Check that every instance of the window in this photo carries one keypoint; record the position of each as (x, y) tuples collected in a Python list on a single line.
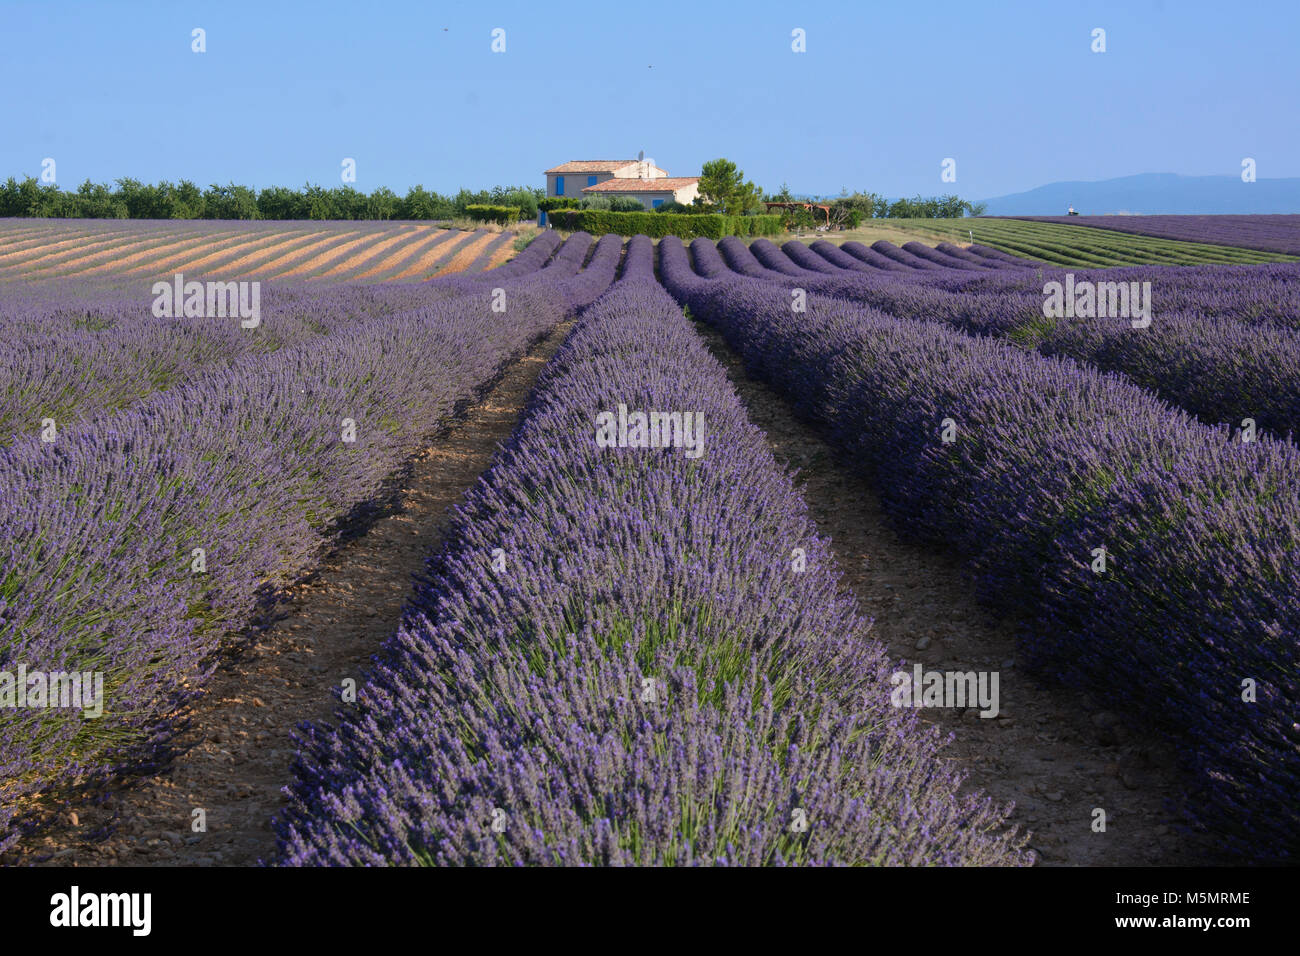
[(657, 203), (559, 185), (591, 180)]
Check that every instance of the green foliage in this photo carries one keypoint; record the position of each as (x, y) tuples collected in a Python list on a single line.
[(626, 204), (940, 207), (280, 202), (552, 203), (673, 206), (800, 218), (229, 202), (711, 226), (524, 199), (724, 189), (498, 196), (611, 203), (422, 204), (131, 199), (503, 215)]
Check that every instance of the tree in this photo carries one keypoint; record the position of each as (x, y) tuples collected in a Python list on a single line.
[(382, 204), (723, 185)]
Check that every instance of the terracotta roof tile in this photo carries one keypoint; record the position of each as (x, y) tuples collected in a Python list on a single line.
[(591, 166), (664, 184)]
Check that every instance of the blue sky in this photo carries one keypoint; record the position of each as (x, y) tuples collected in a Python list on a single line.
[(885, 91)]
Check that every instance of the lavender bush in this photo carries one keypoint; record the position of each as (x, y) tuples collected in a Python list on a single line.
[(645, 679), (1053, 460), (249, 463)]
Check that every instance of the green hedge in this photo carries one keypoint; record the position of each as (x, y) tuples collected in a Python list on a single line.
[(656, 225), (505, 215), (552, 203)]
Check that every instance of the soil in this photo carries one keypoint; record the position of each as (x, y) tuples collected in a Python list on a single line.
[(1048, 750), (421, 268), (238, 748)]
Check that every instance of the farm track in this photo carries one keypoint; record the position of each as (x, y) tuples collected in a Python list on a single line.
[(238, 748), (1045, 751)]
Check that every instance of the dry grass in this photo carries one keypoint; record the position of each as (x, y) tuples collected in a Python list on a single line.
[(897, 231)]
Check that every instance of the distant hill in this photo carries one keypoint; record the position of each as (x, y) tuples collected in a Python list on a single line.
[(1153, 194)]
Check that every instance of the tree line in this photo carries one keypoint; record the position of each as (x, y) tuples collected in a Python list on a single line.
[(131, 199), (723, 188)]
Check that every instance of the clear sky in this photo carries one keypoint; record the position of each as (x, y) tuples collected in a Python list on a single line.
[(883, 94)]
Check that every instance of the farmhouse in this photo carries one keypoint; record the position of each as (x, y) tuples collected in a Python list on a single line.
[(640, 179)]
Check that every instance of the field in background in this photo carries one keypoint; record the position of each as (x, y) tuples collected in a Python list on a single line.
[(1270, 233), (296, 250), (1057, 243)]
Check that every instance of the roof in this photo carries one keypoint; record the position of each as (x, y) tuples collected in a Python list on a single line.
[(665, 184), (591, 166)]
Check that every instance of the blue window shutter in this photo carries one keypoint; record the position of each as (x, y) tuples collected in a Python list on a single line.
[(657, 203), (591, 180), (559, 185)]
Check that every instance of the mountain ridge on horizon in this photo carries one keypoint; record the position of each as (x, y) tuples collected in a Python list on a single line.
[(1151, 194)]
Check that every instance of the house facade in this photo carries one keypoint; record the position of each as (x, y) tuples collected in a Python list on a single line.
[(652, 193), (570, 179), (638, 179)]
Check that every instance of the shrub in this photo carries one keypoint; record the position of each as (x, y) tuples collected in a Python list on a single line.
[(502, 215), (551, 203), (656, 225)]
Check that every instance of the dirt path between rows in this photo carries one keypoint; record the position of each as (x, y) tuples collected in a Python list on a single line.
[(238, 750), (1048, 750)]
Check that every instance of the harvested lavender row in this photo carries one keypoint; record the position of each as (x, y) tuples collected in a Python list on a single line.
[(1052, 468), (616, 662), (145, 535)]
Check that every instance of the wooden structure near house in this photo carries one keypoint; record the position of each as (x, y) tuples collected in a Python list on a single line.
[(800, 205)]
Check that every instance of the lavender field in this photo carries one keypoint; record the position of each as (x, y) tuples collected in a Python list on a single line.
[(635, 642)]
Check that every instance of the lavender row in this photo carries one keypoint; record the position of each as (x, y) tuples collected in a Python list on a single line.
[(1270, 233), (1219, 369), (141, 538), (67, 357), (616, 661), (70, 353), (1148, 557)]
